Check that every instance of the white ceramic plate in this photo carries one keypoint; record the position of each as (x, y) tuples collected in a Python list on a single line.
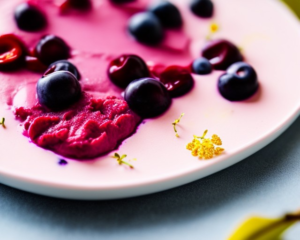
[(270, 37)]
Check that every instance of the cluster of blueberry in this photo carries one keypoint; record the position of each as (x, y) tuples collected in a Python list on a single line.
[(148, 27), (240, 80), (30, 18)]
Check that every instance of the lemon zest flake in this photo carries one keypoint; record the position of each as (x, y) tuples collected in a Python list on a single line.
[(121, 161), (205, 148), (176, 121), (3, 122)]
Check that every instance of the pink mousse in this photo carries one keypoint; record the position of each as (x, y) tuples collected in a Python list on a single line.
[(100, 35), (89, 128)]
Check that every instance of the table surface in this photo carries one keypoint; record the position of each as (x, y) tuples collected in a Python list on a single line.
[(266, 183)]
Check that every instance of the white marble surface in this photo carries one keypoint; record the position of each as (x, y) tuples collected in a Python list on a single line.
[(267, 183)]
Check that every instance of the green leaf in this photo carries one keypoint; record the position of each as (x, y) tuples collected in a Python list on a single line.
[(259, 228), (294, 5)]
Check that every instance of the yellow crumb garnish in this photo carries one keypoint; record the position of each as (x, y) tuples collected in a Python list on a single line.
[(213, 28), (205, 148), (216, 140), (176, 121), (121, 161)]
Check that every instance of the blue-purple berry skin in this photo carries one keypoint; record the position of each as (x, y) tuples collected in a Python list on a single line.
[(58, 90), (201, 66), (29, 18), (147, 97), (239, 82), (202, 8), (146, 28), (62, 162), (65, 65), (167, 13)]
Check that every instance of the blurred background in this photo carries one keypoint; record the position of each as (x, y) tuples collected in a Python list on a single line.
[(294, 5)]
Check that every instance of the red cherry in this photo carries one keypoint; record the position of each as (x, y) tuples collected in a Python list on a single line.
[(11, 52), (177, 80), (126, 68), (81, 5), (221, 54), (49, 70), (34, 64)]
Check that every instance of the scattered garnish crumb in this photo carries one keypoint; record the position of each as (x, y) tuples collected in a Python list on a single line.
[(213, 28), (176, 121), (121, 161), (62, 162), (205, 148), (3, 122)]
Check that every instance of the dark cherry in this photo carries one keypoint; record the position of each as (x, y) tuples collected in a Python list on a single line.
[(202, 8), (63, 65), (239, 82), (221, 53), (167, 13), (177, 80), (58, 90), (126, 68), (147, 97), (146, 28), (51, 48), (12, 52), (201, 66), (34, 64), (29, 17), (156, 70)]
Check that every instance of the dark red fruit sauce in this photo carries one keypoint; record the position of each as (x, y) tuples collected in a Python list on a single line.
[(87, 129), (178, 80)]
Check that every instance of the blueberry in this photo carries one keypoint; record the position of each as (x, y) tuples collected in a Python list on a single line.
[(126, 68), (202, 8), (239, 82), (58, 90), (146, 28), (167, 13), (51, 49), (63, 65), (147, 97), (201, 66), (29, 17)]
